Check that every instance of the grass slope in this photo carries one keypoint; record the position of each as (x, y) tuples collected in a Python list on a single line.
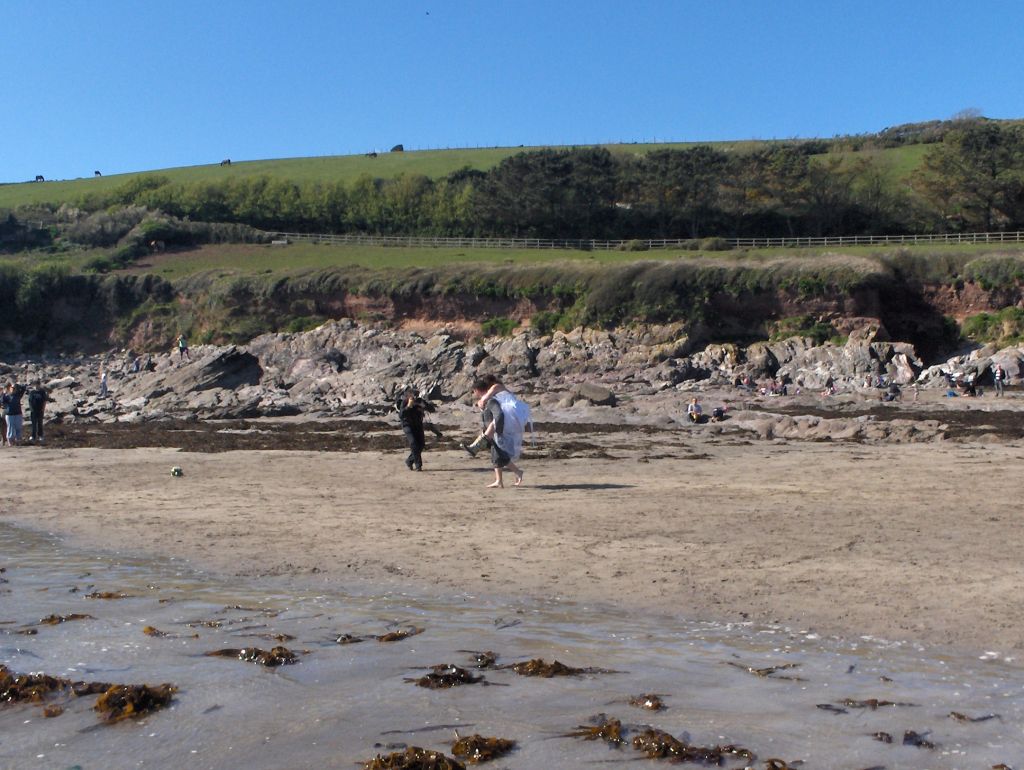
[(347, 168)]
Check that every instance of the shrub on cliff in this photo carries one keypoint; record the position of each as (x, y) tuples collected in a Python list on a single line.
[(1005, 326)]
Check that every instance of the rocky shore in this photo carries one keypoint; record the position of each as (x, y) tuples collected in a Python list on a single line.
[(344, 370)]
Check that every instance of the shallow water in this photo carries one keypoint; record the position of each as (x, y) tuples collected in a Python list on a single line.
[(342, 704)]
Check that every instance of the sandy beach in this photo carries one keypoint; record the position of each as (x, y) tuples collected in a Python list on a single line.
[(916, 542)]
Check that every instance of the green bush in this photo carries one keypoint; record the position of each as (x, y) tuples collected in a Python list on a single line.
[(634, 245), (546, 321), (304, 323), (498, 327), (804, 326), (1005, 326)]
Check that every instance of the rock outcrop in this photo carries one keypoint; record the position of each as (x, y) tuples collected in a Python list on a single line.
[(344, 368)]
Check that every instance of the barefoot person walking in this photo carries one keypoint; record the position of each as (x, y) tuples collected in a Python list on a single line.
[(502, 429)]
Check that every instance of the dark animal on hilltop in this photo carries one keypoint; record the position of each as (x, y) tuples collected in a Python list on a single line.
[(155, 247), (371, 155), (39, 178), (398, 148), (96, 173), (226, 162)]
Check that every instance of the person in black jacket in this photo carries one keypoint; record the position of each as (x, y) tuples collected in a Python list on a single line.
[(412, 412), (12, 412), (37, 398)]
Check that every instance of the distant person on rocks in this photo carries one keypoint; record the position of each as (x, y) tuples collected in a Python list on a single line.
[(412, 412), (504, 418), (183, 348), (694, 411), (12, 412), (103, 382), (37, 399), (998, 377)]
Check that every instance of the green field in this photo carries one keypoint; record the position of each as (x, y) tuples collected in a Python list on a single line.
[(347, 168), (255, 259)]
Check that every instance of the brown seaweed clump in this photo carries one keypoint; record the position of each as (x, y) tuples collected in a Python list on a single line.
[(397, 636), (657, 744), (107, 595), (278, 656), (414, 758), (125, 701), (964, 718), (649, 701), (53, 710), (769, 671), (29, 688), (538, 667), (445, 676), (53, 620), (609, 730), (477, 748), (874, 704), (485, 659), (912, 738), (349, 639)]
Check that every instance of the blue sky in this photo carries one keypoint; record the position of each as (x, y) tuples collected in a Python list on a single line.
[(127, 86)]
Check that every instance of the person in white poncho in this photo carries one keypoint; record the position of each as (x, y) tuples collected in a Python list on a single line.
[(504, 418)]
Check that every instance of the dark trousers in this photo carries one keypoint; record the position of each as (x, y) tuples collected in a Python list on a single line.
[(416, 441), (37, 425)]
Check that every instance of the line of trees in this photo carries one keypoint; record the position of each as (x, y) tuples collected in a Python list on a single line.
[(973, 179)]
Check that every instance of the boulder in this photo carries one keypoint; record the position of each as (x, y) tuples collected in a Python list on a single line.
[(596, 394)]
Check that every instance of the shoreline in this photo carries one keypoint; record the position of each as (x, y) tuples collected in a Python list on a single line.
[(901, 542)]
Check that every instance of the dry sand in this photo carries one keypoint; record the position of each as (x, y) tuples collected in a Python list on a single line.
[(913, 542)]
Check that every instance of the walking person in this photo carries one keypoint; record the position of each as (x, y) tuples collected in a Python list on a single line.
[(12, 412), (999, 377), (503, 419), (103, 382), (412, 413), (37, 398)]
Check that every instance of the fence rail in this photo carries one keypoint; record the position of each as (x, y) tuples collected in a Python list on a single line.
[(643, 245)]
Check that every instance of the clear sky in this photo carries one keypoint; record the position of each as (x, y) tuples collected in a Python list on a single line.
[(128, 85)]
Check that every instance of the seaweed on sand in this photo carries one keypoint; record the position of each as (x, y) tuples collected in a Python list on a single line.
[(485, 659), (397, 636), (608, 730), (414, 758), (541, 668), (874, 704), (125, 701), (444, 676), (277, 656), (769, 671), (477, 748), (657, 744), (650, 701), (53, 620)]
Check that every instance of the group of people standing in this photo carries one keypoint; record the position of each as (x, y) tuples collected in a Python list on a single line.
[(503, 421), (14, 416)]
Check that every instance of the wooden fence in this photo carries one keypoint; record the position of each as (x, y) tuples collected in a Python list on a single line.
[(644, 245)]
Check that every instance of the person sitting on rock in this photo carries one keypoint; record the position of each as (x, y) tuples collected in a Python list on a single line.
[(694, 411)]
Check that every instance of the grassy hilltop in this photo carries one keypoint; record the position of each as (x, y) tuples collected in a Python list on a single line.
[(137, 258), (434, 164)]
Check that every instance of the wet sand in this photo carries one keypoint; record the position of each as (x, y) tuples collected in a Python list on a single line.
[(916, 542)]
